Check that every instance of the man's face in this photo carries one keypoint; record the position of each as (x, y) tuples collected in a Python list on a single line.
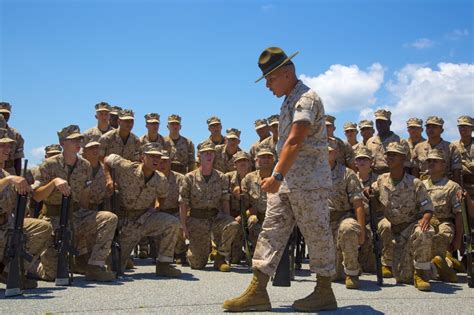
[(102, 116), (363, 163), (174, 127), (415, 132), (277, 82), (242, 166), (436, 167), (232, 143), (164, 165), (394, 160), (383, 126), (126, 124), (151, 161), (5, 149), (113, 120), (152, 127), (72, 146), (434, 131), (367, 132), (215, 129), (263, 132), (465, 131), (91, 153), (265, 162), (6, 116), (330, 130), (274, 129), (351, 134), (207, 157)]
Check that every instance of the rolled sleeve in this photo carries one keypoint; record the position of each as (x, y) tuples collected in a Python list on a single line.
[(113, 160), (304, 110)]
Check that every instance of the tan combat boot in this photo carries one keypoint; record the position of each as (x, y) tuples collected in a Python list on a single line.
[(164, 269), (321, 299), (387, 272), (254, 298), (99, 273), (446, 274), (457, 265), (129, 265), (221, 264), (421, 281), (80, 264), (352, 282)]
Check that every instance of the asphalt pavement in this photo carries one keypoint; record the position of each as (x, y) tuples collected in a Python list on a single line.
[(203, 291)]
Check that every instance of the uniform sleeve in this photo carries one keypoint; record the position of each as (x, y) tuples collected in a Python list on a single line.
[(423, 199), (103, 140), (455, 200), (304, 110), (245, 189), (185, 190), (191, 156), (138, 150), (20, 144), (353, 187), (348, 153), (114, 160), (225, 188), (42, 177), (408, 159), (456, 160), (163, 187)]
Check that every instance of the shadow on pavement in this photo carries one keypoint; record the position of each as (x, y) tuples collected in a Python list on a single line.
[(34, 294), (445, 288), (353, 309)]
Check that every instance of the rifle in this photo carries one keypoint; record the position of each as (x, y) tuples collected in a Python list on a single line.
[(467, 239), (245, 228), (300, 249), (116, 250), (16, 247), (63, 242), (377, 242)]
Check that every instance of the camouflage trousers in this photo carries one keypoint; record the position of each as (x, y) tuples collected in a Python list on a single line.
[(309, 210), (346, 233), (385, 231), (37, 233), (443, 236), (366, 252), (255, 227), (181, 246), (163, 227), (223, 227), (412, 250), (87, 224)]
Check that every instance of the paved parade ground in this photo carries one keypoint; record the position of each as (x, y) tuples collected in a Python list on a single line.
[(204, 291)]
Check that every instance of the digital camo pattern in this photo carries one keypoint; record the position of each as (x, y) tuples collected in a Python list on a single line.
[(345, 153), (346, 235), (7, 197), (345, 190), (405, 202), (223, 161), (94, 134), (412, 145), (378, 147), (208, 141), (17, 149), (234, 182), (198, 194), (181, 152), (136, 195), (111, 143), (270, 143), (311, 168), (467, 152), (160, 140), (174, 182), (451, 156), (98, 187), (252, 192)]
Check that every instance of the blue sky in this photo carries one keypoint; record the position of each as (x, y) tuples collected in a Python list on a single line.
[(199, 58)]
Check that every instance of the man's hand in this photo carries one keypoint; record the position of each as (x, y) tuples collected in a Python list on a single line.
[(236, 192), (270, 185), (21, 185), (62, 186), (425, 222), (110, 187), (238, 219)]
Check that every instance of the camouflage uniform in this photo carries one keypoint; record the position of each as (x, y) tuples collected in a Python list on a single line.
[(403, 204), (37, 232), (414, 122), (138, 217), (345, 229), (223, 161), (204, 199), (259, 123), (152, 118), (345, 153), (451, 156), (84, 222), (303, 195), (378, 146), (17, 147), (211, 121), (181, 151), (94, 133), (466, 152)]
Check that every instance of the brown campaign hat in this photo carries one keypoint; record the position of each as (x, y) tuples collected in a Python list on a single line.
[(435, 154), (273, 120), (363, 151), (465, 121), (152, 118), (260, 123), (272, 59), (434, 120), (396, 148), (152, 148), (126, 114), (53, 148), (330, 120), (174, 118), (366, 124), (213, 120), (232, 133), (415, 122), (240, 155), (102, 107), (382, 114), (69, 133), (4, 136), (350, 126), (5, 107)]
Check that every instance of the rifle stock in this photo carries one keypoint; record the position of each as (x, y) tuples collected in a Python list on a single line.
[(377, 242), (64, 276), (116, 251)]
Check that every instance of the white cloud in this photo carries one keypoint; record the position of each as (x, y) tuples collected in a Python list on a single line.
[(421, 91), (458, 34), (347, 87), (421, 43), (38, 152)]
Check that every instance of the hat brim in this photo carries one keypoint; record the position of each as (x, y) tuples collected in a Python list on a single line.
[(7, 140), (153, 121), (214, 123), (382, 118), (363, 155), (435, 158), (53, 152), (153, 153), (260, 127), (174, 121), (74, 136), (102, 110), (414, 125), (465, 124), (207, 150), (232, 137), (127, 118), (366, 126), (434, 124), (265, 153), (3, 111), (274, 123), (277, 67), (350, 128), (394, 151), (113, 113), (91, 144)]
